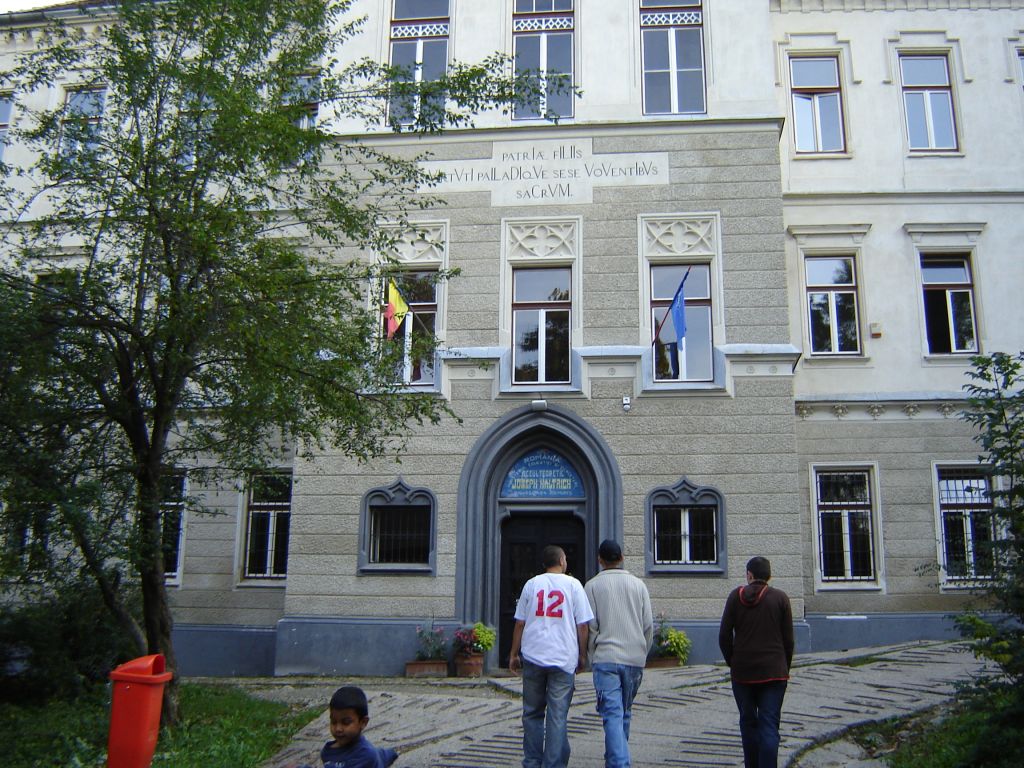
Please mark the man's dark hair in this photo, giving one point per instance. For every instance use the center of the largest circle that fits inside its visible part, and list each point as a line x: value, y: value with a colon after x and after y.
x: 350, y: 697
x: 610, y: 551
x: 551, y: 556
x: 760, y: 568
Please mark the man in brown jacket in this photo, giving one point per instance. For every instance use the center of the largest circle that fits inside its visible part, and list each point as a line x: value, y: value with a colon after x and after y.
x: 756, y: 639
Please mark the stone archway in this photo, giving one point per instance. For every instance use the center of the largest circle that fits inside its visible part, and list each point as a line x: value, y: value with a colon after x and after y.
x: 478, y: 536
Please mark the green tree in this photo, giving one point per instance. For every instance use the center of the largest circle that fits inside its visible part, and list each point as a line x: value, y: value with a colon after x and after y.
x: 996, y: 408
x: 172, y: 284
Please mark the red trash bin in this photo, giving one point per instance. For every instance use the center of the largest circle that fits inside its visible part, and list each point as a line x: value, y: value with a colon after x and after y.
x: 135, y: 711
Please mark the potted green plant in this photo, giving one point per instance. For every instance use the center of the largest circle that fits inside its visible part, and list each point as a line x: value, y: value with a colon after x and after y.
x: 671, y: 646
x: 431, y: 653
x: 471, y: 643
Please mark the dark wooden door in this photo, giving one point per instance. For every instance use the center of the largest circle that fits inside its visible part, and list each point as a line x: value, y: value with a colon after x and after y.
x: 523, y: 538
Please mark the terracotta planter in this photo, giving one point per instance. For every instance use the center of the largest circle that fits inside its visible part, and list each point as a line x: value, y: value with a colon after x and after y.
x: 426, y: 668
x: 661, y: 662
x: 471, y: 665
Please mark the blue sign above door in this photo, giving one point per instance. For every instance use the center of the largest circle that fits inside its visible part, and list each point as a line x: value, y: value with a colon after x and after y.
x: 542, y: 474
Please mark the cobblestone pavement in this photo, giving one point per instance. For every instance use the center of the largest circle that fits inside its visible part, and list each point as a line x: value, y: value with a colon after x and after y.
x: 684, y: 716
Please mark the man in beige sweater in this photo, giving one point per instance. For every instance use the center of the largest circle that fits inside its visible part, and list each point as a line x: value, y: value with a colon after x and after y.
x: 621, y: 634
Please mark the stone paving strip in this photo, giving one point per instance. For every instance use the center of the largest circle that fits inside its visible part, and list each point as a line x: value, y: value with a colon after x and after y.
x: 682, y: 717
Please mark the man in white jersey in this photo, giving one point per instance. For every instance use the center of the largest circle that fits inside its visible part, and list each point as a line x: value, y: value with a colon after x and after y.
x: 551, y: 630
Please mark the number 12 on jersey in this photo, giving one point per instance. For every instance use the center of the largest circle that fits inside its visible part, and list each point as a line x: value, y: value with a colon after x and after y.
x: 549, y: 604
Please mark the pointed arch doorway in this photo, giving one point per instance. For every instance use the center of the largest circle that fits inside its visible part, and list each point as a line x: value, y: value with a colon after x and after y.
x: 537, y: 476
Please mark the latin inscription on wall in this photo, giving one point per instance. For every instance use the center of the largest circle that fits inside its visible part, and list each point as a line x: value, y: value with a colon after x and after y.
x: 549, y: 172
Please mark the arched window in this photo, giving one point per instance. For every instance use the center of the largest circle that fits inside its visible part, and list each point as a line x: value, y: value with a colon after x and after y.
x: 397, y: 530
x: 685, y: 529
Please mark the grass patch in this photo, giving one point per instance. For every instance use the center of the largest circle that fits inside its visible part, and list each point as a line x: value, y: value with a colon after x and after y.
x: 221, y: 727
x: 979, y: 730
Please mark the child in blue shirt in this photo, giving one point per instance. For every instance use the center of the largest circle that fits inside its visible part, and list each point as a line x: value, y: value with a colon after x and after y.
x: 350, y: 714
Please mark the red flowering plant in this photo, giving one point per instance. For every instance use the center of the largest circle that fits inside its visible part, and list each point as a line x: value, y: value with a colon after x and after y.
x: 478, y: 638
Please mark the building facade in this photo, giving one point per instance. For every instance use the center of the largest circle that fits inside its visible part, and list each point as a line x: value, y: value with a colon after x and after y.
x: 833, y: 188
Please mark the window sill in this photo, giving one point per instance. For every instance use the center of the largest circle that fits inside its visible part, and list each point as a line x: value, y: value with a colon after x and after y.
x: 257, y: 583
x: 683, y: 569
x: 833, y: 361
x: 396, y: 569
x: 966, y: 585
x: 935, y: 153
x: 847, y: 586
x: 954, y: 358
x: 845, y: 155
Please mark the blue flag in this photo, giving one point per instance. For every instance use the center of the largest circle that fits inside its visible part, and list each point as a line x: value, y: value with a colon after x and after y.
x: 678, y: 311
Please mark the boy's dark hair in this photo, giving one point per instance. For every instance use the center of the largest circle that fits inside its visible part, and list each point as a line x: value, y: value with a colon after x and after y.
x: 610, y: 551
x: 350, y: 697
x: 551, y: 556
x: 760, y: 568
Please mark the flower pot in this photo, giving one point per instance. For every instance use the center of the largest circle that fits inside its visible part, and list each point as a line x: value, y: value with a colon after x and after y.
x: 661, y: 662
x: 426, y: 668
x: 470, y: 665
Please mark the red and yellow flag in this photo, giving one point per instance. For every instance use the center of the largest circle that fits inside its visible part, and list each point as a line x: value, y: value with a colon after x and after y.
x: 396, y: 308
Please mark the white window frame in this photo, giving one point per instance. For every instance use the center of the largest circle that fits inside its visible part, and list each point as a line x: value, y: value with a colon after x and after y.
x: 421, y: 247
x: 680, y: 239
x: 846, y: 583
x: 540, y: 243
x: 6, y: 122
x: 815, y: 94
x: 173, y: 576
x: 419, y: 31
x: 949, y: 289
x: 670, y: 16
x: 832, y: 289
x: 267, y: 575
x: 95, y: 120
x: 947, y: 582
x: 543, y: 25
x: 928, y: 91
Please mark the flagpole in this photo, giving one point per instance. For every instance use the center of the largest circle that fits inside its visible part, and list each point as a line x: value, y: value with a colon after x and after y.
x: 657, y: 331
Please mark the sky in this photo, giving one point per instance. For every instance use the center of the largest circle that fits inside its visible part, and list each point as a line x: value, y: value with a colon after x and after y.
x: 24, y: 5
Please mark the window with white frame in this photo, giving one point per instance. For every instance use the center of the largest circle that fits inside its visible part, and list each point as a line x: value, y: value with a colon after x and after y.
x: 268, y: 518
x: 928, y: 102
x: 419, y: 49
x: 542, y: 39
x: 172, y: 522
x: 416, y: 330
x: 540, y: 292
x: 846, y: 515
x: 680, y: 295
x: 541, y: 325
x: 682, y: 353
x: 817, y: 104
x: 397, y: 529
x: 833, y: 323
x: 305, y: 94
x: 686, y: 529
x: 966, y: 523
x: 83, y: 111
x: 672, y: 40
x: 948, y: 303
x: 6, y: 108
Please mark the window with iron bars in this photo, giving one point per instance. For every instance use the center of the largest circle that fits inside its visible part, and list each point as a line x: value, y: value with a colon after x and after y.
x: 845, y: 525
x: 967, y: 523
x: 269, y: 518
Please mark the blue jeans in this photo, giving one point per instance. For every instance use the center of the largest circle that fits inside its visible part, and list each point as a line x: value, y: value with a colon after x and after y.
x: 616, y: 686
x: 760, y: 706
x: 547, y: 693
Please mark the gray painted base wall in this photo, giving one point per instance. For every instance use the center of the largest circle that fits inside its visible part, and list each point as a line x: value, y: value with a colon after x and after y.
x: 315, y: 646
x: 224, y: 651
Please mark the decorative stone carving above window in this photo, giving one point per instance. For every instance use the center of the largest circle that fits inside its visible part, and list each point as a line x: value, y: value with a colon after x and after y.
x: 543, y: 239
x: 679, y: 236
